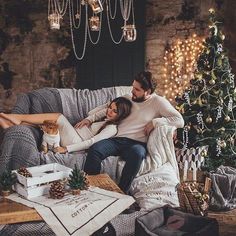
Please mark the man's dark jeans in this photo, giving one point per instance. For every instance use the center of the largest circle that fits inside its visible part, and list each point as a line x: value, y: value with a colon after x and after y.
x: 131, y: 151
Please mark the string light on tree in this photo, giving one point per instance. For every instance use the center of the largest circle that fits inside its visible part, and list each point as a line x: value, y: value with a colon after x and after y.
x: 179, y: 65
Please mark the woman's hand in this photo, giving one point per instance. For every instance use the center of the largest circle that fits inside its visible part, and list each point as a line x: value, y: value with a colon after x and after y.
x: 61, y: 150
x: 84, y: 122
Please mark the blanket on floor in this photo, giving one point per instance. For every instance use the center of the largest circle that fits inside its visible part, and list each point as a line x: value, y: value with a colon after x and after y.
x: 223, y: 195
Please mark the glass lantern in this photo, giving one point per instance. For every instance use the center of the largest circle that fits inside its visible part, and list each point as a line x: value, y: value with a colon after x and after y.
x: 54, y: 21
x: 129, y: 33
x: 94, y: 23
x: 96, y: 6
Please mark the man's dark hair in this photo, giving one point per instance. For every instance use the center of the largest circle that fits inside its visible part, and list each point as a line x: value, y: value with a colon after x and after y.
x: 146, y: 80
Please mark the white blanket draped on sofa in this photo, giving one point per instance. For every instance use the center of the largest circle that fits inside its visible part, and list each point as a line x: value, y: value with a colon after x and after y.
x: 155, y: 184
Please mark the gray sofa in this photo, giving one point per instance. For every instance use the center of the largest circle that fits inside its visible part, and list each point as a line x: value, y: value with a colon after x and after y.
x: 20, y: 144
x: 20, y: 147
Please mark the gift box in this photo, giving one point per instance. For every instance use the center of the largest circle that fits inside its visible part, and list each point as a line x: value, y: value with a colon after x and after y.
x: 194, y: 196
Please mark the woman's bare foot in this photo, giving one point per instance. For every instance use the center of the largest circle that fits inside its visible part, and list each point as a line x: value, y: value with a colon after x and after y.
x: 5, y: 123
x: 11, y: 118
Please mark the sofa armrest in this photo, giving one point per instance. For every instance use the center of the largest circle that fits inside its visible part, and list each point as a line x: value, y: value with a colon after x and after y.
x: 20, y: 147
x: 44, y: 100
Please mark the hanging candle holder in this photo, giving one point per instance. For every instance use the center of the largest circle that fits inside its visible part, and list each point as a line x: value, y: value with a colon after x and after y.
x: 96, y: 6
x: 94, y: 23
x: 129, y: 33
x: 54, y: 20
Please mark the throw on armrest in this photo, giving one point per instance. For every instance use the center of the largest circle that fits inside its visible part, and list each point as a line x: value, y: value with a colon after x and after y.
x: 161, y: 147
x: 20, y: 147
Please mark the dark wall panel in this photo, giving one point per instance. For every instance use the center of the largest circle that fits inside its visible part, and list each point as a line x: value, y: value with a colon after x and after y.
x: 107, y: 64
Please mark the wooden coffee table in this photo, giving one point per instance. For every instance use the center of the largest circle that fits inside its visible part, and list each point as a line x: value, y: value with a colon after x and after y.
x: 13, y: 212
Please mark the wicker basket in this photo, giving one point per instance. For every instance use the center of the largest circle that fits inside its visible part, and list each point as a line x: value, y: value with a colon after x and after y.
x: 194, y: 196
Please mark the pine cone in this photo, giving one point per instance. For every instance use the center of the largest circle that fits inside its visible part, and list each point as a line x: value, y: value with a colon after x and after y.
x: 23, y: 171
x: 57, y: 190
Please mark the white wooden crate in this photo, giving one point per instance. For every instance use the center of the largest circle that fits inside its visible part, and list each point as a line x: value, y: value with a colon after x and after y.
x: 38, y: 184
x: 43, y: 174
x: 31, y: 192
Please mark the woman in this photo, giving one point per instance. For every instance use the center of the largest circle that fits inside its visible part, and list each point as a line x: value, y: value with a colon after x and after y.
x: 74, y: 138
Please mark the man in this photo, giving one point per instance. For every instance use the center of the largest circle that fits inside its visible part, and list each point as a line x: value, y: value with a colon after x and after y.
x: 148, y: 111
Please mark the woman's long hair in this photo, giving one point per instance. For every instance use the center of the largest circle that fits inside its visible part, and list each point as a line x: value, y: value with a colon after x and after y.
x: 124, y: 106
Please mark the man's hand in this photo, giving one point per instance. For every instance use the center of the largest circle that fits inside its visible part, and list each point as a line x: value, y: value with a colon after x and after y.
x: 175, y: 138
x: 148, y: 128
x: 84, y: 122
x: 61, y: 150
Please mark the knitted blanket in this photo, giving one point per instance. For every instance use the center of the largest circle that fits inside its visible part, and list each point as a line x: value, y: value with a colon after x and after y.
x: 77, y: 103
x: 20, y: 145
x: 224, y: 188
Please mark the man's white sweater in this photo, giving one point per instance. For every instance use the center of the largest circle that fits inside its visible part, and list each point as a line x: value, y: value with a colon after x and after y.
x: 156, y: 109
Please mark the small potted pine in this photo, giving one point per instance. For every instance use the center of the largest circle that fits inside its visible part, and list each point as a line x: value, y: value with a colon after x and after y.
x: 78, y: 181
x: 7, y: 179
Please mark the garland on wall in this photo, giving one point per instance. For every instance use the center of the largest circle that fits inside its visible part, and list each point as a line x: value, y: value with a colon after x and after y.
x: 179, y: 65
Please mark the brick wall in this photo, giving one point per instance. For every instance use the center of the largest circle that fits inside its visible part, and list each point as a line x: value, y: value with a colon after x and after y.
x: 36, y: 58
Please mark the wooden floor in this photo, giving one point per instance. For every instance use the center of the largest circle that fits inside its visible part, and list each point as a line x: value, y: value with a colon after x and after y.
x: 227, y: 222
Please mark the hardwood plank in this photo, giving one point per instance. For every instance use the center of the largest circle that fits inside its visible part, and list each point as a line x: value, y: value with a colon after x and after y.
x: 13, y: 212
x: 226, y: 220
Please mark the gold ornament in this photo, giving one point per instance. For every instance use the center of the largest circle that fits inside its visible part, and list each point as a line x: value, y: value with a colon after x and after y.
x: 204, y: 153
x: 205, y: 197
x: 208, y: 119
x: 199, y: 101
x: 223, y: 144
x: 181, y: 110
x: 188, y: 127
x: 222, y: 129
x: 215, y: 91
x: 207, y: 51
x: 227, y: 118
x: 199, y: 131
x: 198, y: 76
x: 219, y: 62
x: 212, y: 82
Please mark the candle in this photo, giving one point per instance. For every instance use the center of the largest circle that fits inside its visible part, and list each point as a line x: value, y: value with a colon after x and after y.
x: 185, y: 170
x: 194, y: 171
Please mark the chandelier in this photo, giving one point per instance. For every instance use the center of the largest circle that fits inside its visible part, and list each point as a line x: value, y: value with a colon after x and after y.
x: 93, y: 11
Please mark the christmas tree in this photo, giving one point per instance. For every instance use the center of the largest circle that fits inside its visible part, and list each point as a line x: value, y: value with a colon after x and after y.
x: 208, y: 105
x: 78, y: 179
